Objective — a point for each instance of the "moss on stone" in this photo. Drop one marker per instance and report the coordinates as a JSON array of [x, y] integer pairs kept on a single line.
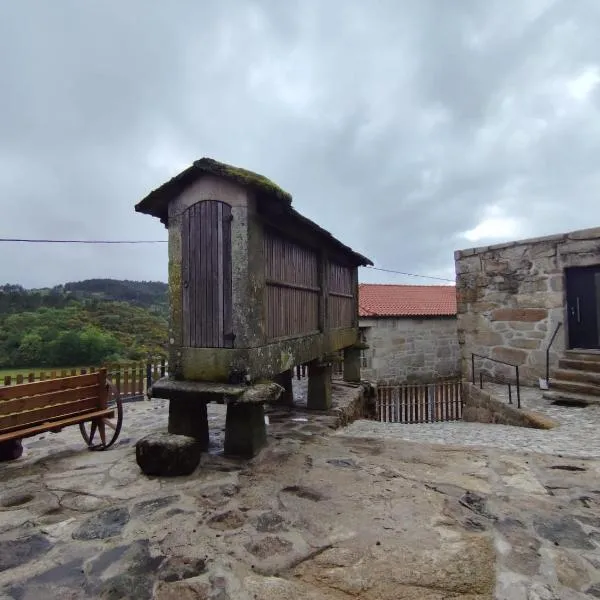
[[538, 421], [259, 183]]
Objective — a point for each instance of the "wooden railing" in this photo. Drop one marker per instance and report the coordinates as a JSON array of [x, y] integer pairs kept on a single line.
[[419, 403], [130, 380]]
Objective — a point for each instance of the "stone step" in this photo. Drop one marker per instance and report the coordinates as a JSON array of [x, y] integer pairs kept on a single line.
[[571, 398], [581, 365], [587, 355], [580, 376], [576, 387]]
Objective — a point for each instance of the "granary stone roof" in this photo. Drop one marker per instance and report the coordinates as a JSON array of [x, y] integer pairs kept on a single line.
[[156, 202]]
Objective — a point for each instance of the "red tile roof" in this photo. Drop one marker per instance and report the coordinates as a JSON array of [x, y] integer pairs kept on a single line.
[[387, 300]]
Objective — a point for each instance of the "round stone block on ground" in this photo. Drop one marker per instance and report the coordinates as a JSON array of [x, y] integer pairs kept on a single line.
[[11, 450], [167, 454]]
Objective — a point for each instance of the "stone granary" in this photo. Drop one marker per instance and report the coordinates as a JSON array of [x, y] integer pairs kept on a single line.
[[255, 289]]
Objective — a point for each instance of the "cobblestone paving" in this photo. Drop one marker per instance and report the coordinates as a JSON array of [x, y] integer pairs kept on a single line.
[[578, 434], [313, 516]]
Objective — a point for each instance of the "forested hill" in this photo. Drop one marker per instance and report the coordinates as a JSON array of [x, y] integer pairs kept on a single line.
[[153, 295], [82, 323]]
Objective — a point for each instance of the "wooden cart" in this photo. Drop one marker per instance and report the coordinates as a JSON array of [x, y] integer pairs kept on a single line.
[[89, 401]]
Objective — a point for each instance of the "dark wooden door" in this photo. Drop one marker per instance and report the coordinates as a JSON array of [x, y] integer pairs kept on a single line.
[[583, 307], [206, 275]]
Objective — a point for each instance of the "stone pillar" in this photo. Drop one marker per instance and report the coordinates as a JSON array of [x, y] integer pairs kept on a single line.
[[285, 381], [189, 417], [245, 430], [352, 364], [319, 385]]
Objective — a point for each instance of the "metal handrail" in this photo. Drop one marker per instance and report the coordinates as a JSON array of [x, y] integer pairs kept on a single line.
[[509, 385], [548, 352], [502, 362]]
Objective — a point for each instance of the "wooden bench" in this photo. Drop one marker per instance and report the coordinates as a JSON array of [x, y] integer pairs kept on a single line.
[[29, 409]]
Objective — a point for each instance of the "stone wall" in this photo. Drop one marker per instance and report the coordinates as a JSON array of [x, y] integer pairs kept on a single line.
[[410, 349], [480, 406], [512, 296]]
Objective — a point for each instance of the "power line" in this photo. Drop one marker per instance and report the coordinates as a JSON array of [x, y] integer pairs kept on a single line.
[[47, 241], [410, 274], [31, 241]]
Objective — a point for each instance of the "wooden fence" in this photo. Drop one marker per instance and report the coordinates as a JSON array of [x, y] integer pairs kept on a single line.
[[419, 403], [130, 380], [337, 370], [133, 379]]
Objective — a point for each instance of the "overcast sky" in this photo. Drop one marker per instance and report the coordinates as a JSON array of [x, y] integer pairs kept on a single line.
[[408, 128]]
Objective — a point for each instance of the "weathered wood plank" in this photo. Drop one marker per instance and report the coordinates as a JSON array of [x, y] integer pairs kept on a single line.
[[38, 415], [49, 385], [27, 403], [56, 424]]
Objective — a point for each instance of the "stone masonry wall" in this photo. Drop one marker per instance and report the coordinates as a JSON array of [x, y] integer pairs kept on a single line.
[[512, 296], [479, 406], [410, 349]]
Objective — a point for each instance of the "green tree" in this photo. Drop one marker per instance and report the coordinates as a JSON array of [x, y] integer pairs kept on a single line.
[[30, 352]]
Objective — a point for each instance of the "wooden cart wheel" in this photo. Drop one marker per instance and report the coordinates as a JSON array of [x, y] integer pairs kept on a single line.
[[101, 434]]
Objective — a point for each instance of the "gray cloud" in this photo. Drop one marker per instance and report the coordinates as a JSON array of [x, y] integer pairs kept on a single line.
[[397, 125]]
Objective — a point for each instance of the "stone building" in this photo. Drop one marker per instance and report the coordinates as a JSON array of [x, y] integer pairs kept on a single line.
[[411, 332], [512, 297]]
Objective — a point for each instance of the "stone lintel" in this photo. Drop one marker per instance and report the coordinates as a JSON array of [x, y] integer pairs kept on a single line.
[[221, 393], [196, 391], [265, 362]]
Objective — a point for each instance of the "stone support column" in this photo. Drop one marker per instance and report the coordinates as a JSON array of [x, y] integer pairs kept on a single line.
[[352, 364], [245, 430], [189, 417], [319, 385], [285, 381]]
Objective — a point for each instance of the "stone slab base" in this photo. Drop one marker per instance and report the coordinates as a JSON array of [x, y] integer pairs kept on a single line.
[[167, 454]]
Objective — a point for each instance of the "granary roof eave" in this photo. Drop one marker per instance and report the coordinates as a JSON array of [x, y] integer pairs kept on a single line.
[[157, 201], [358, 259]]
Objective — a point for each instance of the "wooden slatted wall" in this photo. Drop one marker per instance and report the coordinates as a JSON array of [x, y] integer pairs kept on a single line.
[[292, 282], [206, 275], [341, 303]]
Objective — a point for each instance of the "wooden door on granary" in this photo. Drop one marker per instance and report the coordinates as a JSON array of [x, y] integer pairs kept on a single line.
[[206, 275]]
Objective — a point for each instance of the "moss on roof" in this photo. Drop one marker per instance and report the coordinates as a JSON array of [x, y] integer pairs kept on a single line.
[[258, 182], [156, 202]]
